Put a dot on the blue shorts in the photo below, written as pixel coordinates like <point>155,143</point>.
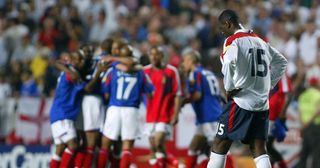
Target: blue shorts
<point>236,123</point>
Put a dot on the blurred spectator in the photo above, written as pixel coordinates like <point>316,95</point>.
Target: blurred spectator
<point>5,89</point>
<point>263,20</point>
<point>309,108</point>
<point>210,35</point>
<point>183,32</point>
<point>29,86</point>
<point>49,34</point>
<point>25,52</point>
<point>14,34</point>
<point>14,79</point>
<point>308,44</point>
<point>105,23</point>
<point>39,64</point>
<point>24,18</point>
<point>5,92</point>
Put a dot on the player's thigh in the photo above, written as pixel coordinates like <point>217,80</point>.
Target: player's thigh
<point>197,142</point>
<point>259,126</point>
<point>92,112</point>
<point>129,123</point>
<point>112,125</point>
<point>127,144</point>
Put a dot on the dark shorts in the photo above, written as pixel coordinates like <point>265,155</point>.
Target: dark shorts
<point>236,123</point>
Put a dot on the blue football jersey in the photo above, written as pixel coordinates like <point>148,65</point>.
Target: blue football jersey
<point>126,89</point>
<point>67,100</point>
<point>208,108</point>
<point>93,70</point>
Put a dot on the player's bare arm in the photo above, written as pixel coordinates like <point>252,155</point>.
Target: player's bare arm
<point>90,86</point>
<point>177,107</point>
<point>62,67</point>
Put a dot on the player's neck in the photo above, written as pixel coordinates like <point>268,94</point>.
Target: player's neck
<point>193,67</point>
<point>158,66</point>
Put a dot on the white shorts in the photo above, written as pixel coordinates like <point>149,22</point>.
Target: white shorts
<point>63,131</point>
<point>121,121</point>
<point>208,130</point>
<point>152,128</point>
<point>92,110</point>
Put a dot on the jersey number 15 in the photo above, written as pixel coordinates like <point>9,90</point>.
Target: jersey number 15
<point>258,55</point>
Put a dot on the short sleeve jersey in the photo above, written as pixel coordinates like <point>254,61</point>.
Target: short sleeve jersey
<point>167,85</point>
<point>126,89</point>
<point>208,108</point>
<point>67,100</point>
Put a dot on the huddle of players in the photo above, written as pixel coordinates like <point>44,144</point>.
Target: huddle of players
<point>115,79</point>
<point>123,82</point>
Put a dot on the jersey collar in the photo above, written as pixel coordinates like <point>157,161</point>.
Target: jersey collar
<point>243,31</point>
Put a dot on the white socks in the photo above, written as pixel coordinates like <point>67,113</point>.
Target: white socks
<point>262,161</point>
<point>56,157</point>
<point>217,161</point>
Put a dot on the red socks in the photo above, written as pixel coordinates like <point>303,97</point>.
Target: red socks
<point>125,159</point>
<point>115,161</point>
<point>191,159</point>
<point>103,158</point>
<point>55,161</point>
<point>78,160</point>
<point>161,160</point>
<point>66,158</point>
<point>172,160</point>
<point>229,161</point>
<point>88,157</point>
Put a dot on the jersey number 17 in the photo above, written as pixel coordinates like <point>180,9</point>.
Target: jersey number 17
<point>123,92</point>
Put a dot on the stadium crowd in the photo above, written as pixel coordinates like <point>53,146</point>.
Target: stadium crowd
<point>35,34</point>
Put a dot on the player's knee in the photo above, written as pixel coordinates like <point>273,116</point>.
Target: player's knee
<point>258,148</point>
<point>221,146</point>
<point>60,149</point>
<point>72,144</point>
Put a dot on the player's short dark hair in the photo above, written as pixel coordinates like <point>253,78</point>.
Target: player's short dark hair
<point>158,48</point>
<point>229,15</point>
<point>106,45</point>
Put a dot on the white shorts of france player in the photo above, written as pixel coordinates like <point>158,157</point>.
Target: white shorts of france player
<point>208,130</point>
<point>121,121</point>
<point>92,110</point>
<point>63,131</point>
<point>152,128</point>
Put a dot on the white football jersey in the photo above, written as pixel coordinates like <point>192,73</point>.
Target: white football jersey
<point>254,66</point>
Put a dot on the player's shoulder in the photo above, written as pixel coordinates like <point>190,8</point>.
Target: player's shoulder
<point>171,68</point>
<point>147,67</point>
<point>240,36</point>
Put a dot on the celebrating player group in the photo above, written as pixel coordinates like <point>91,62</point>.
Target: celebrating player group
<point>107,88</point>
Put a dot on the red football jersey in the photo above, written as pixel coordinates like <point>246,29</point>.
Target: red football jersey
<point>277,98</point>
<point>166,82</point>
